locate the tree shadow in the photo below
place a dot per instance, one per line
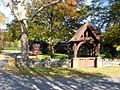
(57, 79)
(12, 82)
(60, 72)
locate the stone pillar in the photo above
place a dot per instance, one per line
(99, 62)
(75, 63)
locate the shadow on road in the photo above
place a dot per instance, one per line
(12, 82)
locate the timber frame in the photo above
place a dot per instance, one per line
(85, 37)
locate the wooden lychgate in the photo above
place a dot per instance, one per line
(85, 44)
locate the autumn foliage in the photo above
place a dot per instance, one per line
(2, 18)
(67, 8)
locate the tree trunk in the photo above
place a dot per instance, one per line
(24, 42)
(51, 51)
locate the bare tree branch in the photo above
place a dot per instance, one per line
(44, 6)
(18, 9)
(13, 9)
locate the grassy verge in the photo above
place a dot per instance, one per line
(2, 56)
(67, 72)
(43, 56)
(56, 56)
(11, 51)
(107, 71)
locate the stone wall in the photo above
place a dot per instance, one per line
(50, 63)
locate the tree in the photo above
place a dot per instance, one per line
(19, 9)
(105, 17)
(13, 32)
(2, 18)
(104, 13)
(55, 22)
(57, 17)
(110, 39)
(2, 21)
(113, 35)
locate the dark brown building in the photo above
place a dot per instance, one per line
(85, 47)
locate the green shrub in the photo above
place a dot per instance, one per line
(12, 45)
(43, 56)
(56, 56)
(11, 51)
(11, 48)
(106, 55)
(16, 43)
(60, 56)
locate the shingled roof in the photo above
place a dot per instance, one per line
(81, 31)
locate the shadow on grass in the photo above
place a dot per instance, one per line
(56, 72)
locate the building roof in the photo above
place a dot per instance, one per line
(81, 31)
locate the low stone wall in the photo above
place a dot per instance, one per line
(75, 63)
(50, 63)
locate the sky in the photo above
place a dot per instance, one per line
(9, 17)
(6, 11)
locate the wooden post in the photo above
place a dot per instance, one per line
(75, 50)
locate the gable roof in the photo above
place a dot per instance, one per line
(81, 31)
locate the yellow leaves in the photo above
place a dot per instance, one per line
(57, 23)
(67, 8)
(118, 48)
(37, 3)
(2, 18)
(40, 3)
(2, 56)
(71, 2)
(11, 61)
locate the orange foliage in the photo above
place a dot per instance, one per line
(71, 2)
(67, 8)
(2, 18)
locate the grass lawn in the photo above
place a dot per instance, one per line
(68, 73)
(42, 56)
(63, 72)
(11, 51)
(56, 56)
(2, 56)
(107, 71)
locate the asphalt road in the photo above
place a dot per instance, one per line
(12, 82)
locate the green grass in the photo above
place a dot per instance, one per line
(11, 51)
(2, 56)
(56, 56)
(43, 56)
(113, 71)
(12, 48)
(67, 72)
(60, 56)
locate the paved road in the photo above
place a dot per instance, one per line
(12, 82)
